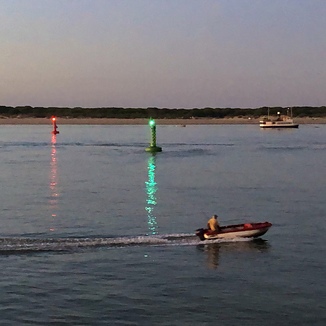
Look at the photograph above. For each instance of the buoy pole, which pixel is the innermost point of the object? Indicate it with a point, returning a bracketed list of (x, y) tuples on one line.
[(152, 147), (55, 127)]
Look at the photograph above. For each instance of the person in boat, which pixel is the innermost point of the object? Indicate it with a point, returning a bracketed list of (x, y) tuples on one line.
[(213, 224)]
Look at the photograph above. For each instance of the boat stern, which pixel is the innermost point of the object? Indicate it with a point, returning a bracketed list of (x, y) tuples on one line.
[(200, 233)]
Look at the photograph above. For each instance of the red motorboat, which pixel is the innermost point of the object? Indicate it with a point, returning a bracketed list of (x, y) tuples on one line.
[(246, 230)]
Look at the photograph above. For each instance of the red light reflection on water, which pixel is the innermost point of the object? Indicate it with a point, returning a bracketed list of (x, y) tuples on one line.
[(53, 179)]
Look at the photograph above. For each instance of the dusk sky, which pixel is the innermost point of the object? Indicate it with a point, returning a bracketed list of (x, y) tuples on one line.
[(163, 53)]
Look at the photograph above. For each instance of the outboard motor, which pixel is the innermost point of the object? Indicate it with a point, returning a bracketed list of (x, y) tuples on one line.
[(200, 234)]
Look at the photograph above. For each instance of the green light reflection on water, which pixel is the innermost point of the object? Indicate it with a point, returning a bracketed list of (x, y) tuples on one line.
[(151, 188)]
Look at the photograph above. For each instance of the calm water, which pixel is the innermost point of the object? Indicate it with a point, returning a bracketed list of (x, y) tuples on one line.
[(95, 231)]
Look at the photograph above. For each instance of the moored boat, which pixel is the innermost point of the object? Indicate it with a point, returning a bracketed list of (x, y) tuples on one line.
[(246, 230), (281, 121)]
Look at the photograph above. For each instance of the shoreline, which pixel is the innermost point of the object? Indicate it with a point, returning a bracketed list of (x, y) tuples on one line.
[(182, 122)]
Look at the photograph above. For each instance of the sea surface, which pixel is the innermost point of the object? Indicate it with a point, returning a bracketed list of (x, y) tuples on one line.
[(96, 231)]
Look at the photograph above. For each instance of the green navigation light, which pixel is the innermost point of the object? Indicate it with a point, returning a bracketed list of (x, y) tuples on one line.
[(153, 148)]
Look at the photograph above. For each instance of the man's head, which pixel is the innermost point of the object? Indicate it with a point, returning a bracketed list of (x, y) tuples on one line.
[(215, 216)]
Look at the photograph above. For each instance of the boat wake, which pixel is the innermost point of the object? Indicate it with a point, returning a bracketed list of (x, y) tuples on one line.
[(26, 245)]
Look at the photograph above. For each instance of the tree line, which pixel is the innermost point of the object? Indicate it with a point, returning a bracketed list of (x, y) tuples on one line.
[(156, 113)]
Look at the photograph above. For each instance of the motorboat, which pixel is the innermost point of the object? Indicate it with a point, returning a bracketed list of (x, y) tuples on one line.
[(246, 230), (281, 121)]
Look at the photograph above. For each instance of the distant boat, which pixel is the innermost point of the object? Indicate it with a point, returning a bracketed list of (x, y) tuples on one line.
[(281, 121)]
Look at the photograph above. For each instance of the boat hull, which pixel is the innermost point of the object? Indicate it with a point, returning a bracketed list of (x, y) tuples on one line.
[(247, 230), (278, 125)]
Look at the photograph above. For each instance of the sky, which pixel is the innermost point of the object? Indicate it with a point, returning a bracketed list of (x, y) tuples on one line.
[(163, 53)]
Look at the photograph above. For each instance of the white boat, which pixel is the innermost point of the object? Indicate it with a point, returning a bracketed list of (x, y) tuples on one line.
[(281, 121), (246, 230)]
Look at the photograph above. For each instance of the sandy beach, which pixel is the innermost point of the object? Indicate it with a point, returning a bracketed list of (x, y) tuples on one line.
[(183, 122)]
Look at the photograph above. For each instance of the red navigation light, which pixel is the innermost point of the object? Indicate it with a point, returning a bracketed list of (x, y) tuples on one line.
[(54, 131)]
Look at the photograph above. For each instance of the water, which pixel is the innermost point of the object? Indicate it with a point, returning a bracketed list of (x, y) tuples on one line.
[(95, 231)]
